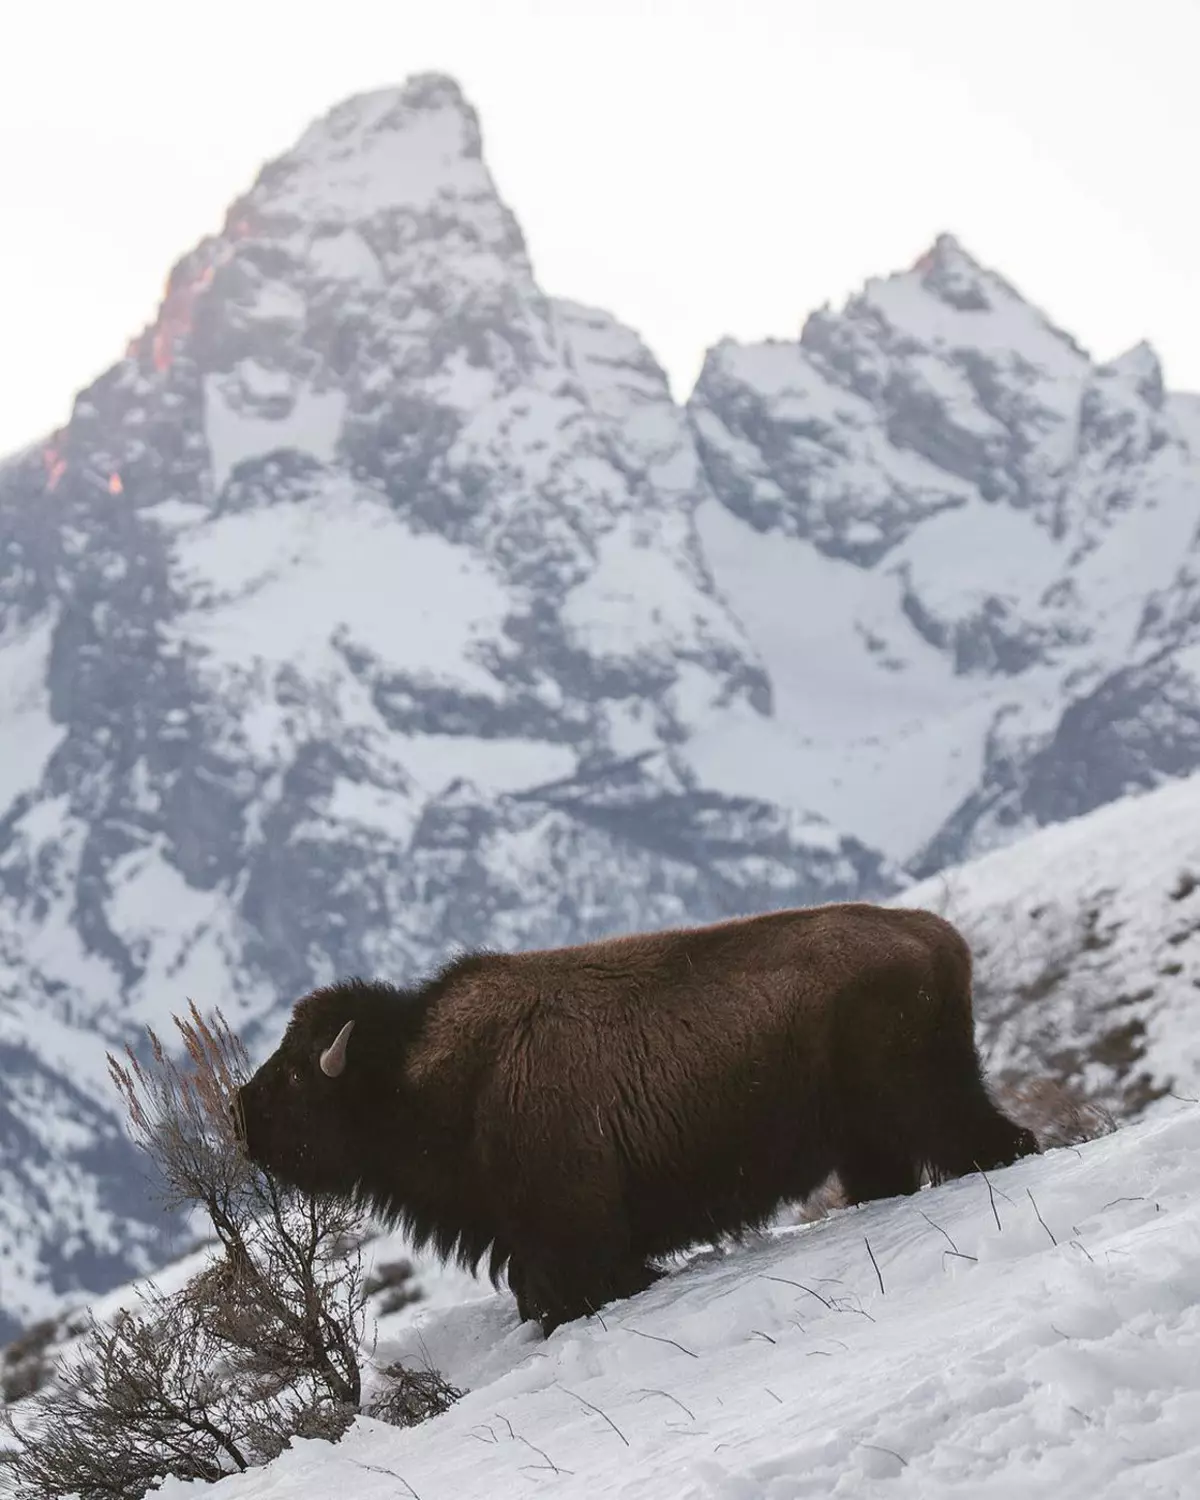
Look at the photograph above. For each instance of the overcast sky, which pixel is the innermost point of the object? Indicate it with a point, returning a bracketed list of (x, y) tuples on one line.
[(700, 168)]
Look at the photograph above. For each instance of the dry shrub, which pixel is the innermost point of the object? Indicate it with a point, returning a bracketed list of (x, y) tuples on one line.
[(143, 1397), (1057, 1114), (262, 1345), (412, 1396)]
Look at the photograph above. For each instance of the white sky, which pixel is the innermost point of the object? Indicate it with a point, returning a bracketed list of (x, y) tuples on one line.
[(699, 168)]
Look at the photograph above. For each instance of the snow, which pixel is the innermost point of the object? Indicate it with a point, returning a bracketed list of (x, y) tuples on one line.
[(979, 550), (281, 586), (28, 735), (835, 442), (152, 899), (632, 606), (957, 398), (1006, 327), (173, 513), (1033, 596), (258, 380), (53, 945), (346, 256), (382, 151), (627, 387), (313, 424), (182, 938), (278, 302), (384, 810), (1049, 1348), (631, 727), (45, 820), (68, 1048), (781, 372), (847, 728), (1184, 410), (1138, 554), (1138, 364), (493, 765)]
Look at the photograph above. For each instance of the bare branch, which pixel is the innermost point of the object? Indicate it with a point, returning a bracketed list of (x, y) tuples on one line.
[(666, 1395), (874, 1262), (598, 1412), (991, 1197), (800, 1285), (658, 1339), (1040, 1220), (262, 1345)]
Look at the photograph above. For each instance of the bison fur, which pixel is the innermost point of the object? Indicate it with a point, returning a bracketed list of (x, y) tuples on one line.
[(573, 1114)]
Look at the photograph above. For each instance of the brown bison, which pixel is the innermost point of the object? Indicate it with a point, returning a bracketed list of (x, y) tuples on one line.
[(574, 1113)]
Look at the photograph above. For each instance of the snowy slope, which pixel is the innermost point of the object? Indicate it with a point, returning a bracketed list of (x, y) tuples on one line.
[(1087, 949), (1050, 1347), (966, 554)]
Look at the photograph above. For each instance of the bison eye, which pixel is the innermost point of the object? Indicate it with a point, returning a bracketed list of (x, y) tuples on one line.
[(294, 1076)]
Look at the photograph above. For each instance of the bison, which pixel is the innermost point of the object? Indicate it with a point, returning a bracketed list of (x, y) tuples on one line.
[(575, 1113)]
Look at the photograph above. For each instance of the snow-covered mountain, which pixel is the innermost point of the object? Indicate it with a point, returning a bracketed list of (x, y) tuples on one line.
[(358, 613), (968, 557), (376, 604)]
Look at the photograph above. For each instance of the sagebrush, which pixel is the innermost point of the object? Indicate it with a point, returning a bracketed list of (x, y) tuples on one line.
[(264, 1344)]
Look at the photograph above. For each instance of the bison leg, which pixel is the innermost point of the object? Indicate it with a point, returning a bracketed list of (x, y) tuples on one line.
[(868, 1170), (916, 1095), (954, 1129), (563, 1214), (635, 1277), (518, 1285), (972, 1134), (560, 1291), (958, 1128)]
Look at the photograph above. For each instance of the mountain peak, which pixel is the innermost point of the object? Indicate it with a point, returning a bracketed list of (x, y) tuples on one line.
[(388, 188), (392, 148), (946, 252), (947, 299), (1139, 369), (1140, 362), (395, 108), (952, 275)]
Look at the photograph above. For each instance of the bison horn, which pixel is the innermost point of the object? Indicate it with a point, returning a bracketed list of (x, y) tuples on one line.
[(333, 1059)]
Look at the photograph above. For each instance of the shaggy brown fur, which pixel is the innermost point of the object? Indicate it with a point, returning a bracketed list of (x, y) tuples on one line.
[(575, 1112)]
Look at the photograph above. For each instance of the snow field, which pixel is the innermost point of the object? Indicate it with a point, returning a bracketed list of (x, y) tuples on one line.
[(1035, 1334)]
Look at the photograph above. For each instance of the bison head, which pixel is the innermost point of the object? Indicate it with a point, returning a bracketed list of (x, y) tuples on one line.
[(296, 1116)]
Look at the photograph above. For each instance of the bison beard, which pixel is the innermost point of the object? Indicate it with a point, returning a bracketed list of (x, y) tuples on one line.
[(575, 1113)]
